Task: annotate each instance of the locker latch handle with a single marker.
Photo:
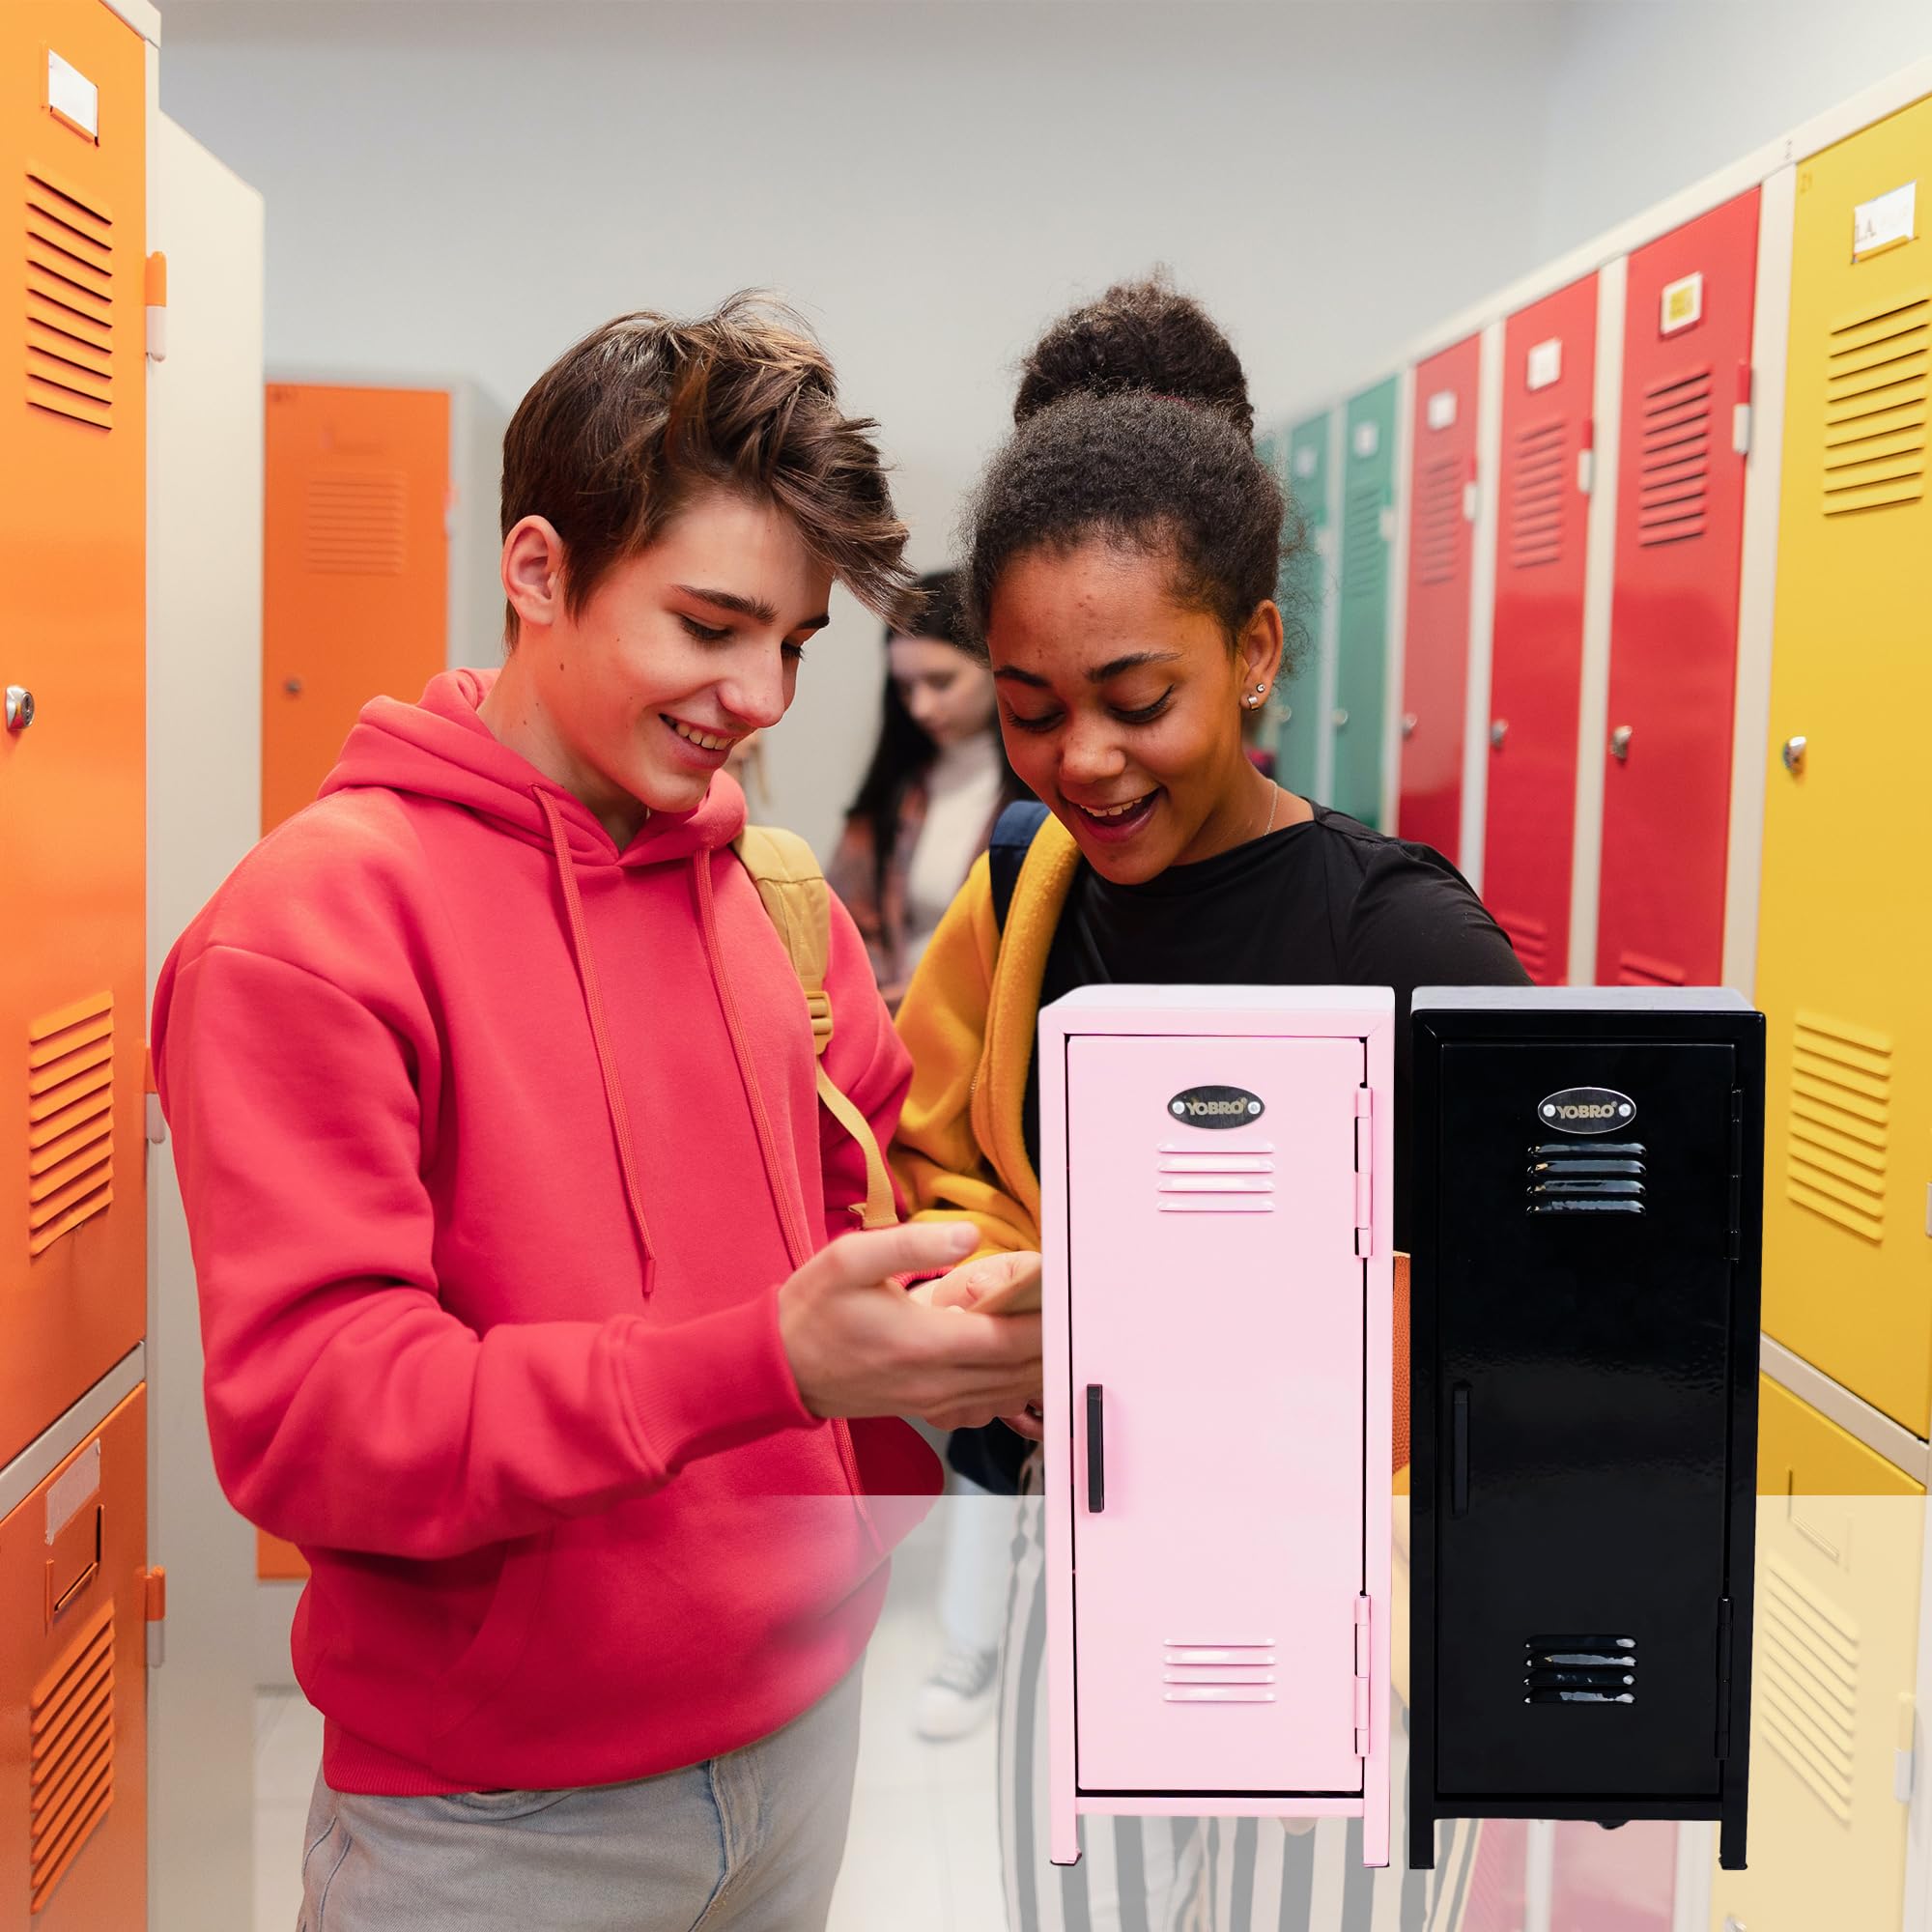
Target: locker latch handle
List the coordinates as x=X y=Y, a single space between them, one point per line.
x=1458 y=1452
x=1096 y=1451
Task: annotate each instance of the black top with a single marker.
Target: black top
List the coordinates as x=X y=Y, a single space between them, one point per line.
x=1326 y=902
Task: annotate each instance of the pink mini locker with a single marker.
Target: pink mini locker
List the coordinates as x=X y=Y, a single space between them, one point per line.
x=1215 y=1165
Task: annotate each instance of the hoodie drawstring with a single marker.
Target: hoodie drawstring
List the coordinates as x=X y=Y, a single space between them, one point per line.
x=593 y=1000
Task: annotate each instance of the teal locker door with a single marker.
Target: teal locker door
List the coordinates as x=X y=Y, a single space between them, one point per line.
x=1368 y=494
x=1305 y=591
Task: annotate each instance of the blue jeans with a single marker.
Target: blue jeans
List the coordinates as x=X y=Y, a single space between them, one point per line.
x=748 y=1843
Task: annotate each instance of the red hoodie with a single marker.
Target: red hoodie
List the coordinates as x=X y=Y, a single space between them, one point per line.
x=495 y=1141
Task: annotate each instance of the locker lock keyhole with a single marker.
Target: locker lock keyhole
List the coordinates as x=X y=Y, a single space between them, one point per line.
x=1794 y=757
x=1499 y=730
x=19 y=707
x=1620 y=743
x=292 y=686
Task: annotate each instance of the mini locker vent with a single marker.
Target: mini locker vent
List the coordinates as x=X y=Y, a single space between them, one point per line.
x=71 y=1731
x=1441 y=558
x=1537 y=667
x=1587 y=1174
x=1220 y=1337
x=70 y=305
x=1837 y=1130
x=1809 y=1684
x=1666 y=754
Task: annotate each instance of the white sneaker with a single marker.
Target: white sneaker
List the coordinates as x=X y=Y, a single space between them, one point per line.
x=957 y=1699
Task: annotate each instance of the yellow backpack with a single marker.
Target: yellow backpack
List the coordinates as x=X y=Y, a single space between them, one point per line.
x=799 y=903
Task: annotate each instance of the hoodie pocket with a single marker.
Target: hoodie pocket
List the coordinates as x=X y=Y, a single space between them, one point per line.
x=500 y=1638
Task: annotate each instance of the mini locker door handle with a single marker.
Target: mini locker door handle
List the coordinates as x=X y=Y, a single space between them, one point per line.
x=1096 y=1451
x=1458 y=1452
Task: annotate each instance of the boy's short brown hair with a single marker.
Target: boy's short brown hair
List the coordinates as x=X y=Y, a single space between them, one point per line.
x=618 y=433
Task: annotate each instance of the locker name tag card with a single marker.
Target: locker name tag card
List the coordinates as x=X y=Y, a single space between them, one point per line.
x=1884 y=221
x=1545 y=363
x=1682 y=306
x=1368 y=440
x=1442 y=410
x=72 y=97
x=1587 y=1110
x=1216 y=1107
x=1304 y=461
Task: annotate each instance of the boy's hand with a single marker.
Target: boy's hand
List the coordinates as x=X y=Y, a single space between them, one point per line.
x=972 y=1282
x=858 y=1344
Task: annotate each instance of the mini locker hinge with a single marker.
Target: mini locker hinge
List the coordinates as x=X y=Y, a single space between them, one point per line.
x=1740 y=412
x=154 y=1127
x=155 y=282
x=155 y=1610
x=1364 y=1155
x=1724 y=1677
x=1472 y=499
x=1587 y=458
x=1734 y=1243
x=1363 y=1608
x=1905 y=1759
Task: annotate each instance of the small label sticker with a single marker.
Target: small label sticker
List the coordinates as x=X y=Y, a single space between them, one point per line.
x=1885 y=222
x=1368 y=440
x=1442 y=410
x=1682 y=306
x=1545 y=363
x=72 y=96
x=73 y=1488
x=1304 y=461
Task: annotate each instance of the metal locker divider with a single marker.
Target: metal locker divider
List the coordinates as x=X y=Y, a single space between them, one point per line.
x=1442 y=501
x=1674 y=623
x=75 y=1600
x=1303 y=739
x=1843 y=935
x=1361 y=649
x=1536 y=674
x=1839 y=1551
x=356 y=570
x=72 y=752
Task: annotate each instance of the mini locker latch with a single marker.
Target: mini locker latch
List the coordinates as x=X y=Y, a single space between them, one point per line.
x=1096 y=1450
x=1365 y=1154
x=1458 y=1452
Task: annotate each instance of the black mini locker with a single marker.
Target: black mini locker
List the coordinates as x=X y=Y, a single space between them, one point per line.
x=1588 y=1202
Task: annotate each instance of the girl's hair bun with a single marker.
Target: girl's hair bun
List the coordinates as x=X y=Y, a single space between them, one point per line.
x=1139 y=336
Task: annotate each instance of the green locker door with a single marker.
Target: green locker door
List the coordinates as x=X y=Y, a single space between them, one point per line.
x=1306 y=587
x=1368 y=494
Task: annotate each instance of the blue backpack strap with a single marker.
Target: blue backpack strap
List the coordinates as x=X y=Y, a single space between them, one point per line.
x=1005 y=852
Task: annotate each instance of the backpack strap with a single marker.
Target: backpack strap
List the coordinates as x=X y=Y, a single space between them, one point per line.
x=799 y=903
x=1014 y=833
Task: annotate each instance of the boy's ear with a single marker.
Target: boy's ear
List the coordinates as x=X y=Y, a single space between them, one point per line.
x=532 y=571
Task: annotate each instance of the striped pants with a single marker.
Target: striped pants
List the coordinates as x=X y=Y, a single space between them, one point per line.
x=1188 y=1874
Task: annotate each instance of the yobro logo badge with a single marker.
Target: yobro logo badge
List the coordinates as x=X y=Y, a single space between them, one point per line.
x=1215 y=1107
x=1587 y=1110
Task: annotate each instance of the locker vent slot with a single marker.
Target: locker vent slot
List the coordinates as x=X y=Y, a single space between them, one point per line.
x=1809 y=1679
x=1582 y=1177
x=1641 y=969
x=1579 y=1671
x=1674 y=464
x=1217 y=1673
x=1530 y=937
x=70 y=1119
x=1539 y=496
x=70 y=1723
x=354 y=524
x=1875 y=392
x=1237 y=1181
x=69 y=305
x=1439 y=520
x=1362 y=541
x=1839 y=1123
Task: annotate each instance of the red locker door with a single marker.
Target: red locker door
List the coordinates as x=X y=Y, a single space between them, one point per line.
x=1436 y=658
x=1675 y=611
x=1550 y=357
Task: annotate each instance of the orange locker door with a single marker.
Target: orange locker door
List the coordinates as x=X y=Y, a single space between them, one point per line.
x=73 y=753
x=1435 y=657
x=1674 y=609
x=355 y=579
x=1536 y=683
x=73 y=1728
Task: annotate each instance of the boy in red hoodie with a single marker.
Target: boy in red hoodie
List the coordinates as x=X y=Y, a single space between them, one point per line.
x=512 y=1204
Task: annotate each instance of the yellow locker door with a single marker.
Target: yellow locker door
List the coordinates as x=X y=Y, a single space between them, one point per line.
x=1839 y=1536
x=1845 y=935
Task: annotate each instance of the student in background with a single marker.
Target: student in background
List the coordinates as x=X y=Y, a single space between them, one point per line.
x=938 y=778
